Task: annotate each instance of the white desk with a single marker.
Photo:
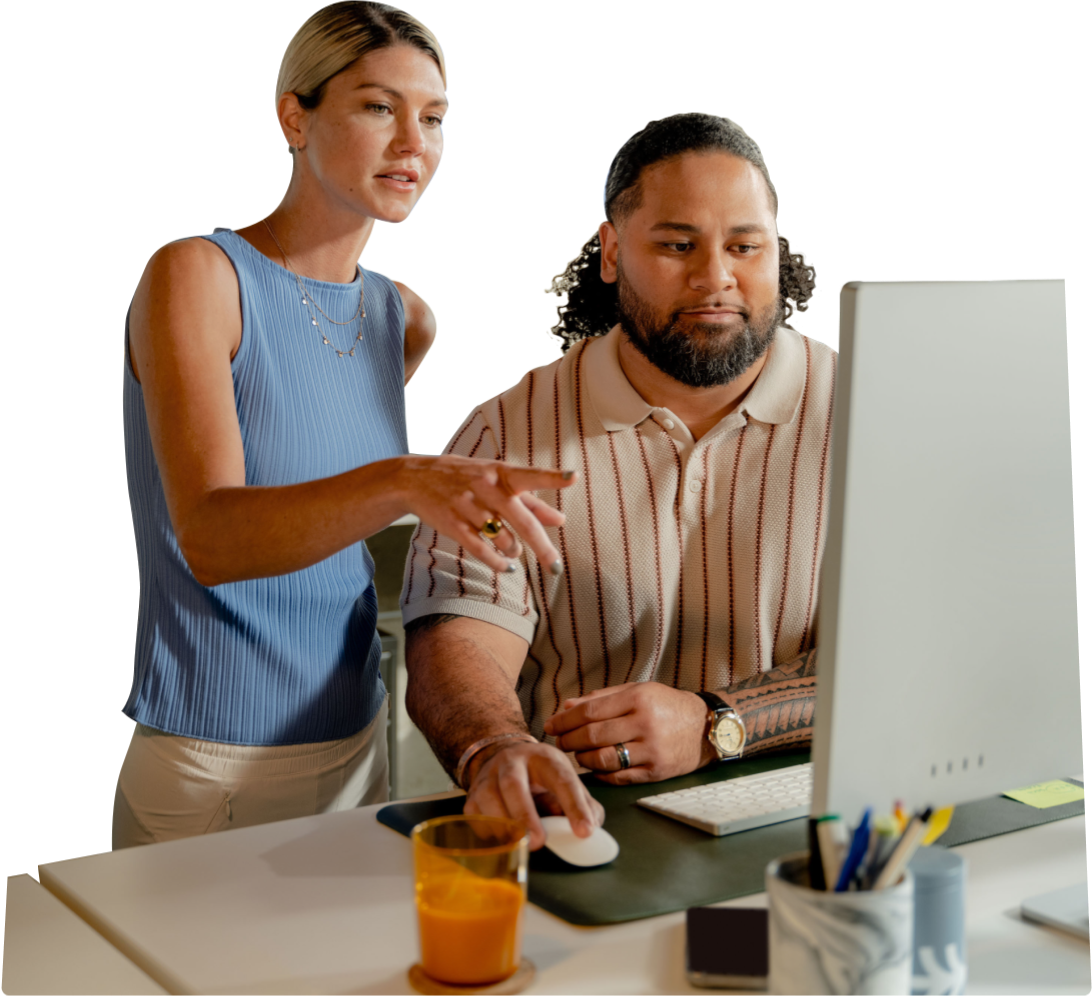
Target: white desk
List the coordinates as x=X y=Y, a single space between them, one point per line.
x=48 y=949
x=324 y=904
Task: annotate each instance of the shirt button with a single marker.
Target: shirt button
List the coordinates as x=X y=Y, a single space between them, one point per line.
x=668 y=424
x=695 y=486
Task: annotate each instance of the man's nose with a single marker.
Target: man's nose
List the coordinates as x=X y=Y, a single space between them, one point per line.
x=712 y=272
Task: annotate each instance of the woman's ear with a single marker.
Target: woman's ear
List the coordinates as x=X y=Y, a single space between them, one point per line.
x=293 y=118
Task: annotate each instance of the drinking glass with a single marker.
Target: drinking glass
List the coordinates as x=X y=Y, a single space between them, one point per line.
x=470 y=876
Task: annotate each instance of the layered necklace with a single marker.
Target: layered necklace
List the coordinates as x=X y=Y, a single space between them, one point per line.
x=311 y=304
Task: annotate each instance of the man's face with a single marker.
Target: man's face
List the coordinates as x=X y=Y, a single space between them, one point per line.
x=697 y=268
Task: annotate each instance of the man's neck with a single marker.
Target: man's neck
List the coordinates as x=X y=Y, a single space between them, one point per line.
x=700 y=408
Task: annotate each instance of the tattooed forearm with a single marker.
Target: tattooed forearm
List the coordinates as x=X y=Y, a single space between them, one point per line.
x=777 y=706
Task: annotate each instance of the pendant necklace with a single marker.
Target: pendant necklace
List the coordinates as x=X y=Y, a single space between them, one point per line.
x=307 y=300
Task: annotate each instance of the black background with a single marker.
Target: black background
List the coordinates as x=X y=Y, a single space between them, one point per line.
x=903 y=153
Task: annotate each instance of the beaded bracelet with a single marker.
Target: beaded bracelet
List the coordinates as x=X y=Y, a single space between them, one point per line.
x=480 y=745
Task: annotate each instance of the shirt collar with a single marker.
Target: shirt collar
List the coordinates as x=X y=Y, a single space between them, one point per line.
x=774 y=397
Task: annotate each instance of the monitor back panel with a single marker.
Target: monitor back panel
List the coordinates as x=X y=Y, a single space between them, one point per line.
x=948 y=618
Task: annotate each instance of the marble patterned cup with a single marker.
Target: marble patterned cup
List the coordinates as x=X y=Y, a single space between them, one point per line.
x=837 y=942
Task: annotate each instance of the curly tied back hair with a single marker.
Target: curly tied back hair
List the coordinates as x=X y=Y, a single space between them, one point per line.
x=591 y=308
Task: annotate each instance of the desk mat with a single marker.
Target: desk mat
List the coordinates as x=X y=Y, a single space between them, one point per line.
x=997 y=814
x=665 y=866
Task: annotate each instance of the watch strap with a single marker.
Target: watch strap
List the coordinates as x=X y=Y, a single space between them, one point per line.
x=714 y=701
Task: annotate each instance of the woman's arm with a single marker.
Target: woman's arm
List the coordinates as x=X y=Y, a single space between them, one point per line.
x=185 y=326
x=420 y=328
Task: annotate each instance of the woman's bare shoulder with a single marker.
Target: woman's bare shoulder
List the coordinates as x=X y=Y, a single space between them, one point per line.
x=191 y=261
x=188 y=293
x=418 y=313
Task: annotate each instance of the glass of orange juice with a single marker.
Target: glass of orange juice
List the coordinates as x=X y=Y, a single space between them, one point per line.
x=470 y=875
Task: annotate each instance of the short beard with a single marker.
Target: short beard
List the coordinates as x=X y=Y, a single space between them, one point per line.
x=703 y=354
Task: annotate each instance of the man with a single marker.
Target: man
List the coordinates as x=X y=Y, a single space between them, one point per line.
x=689 y=556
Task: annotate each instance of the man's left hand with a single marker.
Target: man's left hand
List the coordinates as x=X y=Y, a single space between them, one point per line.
x=661 y=727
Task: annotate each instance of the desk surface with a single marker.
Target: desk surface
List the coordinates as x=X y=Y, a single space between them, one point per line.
x=48 y=949
x=324 y=904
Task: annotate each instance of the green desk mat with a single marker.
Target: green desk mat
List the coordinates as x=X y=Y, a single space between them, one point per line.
x=664 y=865
x=997 y=814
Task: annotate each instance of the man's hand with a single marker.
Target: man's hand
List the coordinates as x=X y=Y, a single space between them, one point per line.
x=521 y=778
x=661 y=726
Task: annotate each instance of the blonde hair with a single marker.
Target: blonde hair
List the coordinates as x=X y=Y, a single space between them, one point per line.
x=333 y=39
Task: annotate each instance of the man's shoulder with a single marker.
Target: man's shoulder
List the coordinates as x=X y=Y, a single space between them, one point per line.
x=506 y=415
x=819 y=350
x=822 y=364
x=527 y=388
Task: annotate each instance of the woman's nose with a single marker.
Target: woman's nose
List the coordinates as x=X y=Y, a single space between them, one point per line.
x=410 y=137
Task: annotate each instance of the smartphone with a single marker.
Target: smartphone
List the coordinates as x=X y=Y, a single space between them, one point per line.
x=726 y=947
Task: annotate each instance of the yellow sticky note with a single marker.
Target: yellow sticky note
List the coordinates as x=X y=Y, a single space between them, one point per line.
x=937 y=824
x=1047 y=794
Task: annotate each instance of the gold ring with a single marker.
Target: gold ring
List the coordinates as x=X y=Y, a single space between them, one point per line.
x=491 y=528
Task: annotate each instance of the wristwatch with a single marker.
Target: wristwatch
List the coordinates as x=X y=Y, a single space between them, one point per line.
x=723 y=727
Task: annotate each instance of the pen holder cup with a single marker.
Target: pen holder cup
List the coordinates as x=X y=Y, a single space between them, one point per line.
x=837 y=942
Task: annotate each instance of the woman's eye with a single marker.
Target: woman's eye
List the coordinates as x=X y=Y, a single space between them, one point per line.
x=378 y=108
x=745 y=250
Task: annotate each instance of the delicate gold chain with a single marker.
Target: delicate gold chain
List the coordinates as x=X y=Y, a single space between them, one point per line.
x=307 y=300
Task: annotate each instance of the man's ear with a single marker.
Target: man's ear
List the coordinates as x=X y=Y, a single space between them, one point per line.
x=608 y=258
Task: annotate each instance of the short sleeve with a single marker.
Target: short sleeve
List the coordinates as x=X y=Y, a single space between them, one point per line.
x=442 y=578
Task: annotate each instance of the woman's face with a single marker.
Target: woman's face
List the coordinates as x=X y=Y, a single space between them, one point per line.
x=374 y=142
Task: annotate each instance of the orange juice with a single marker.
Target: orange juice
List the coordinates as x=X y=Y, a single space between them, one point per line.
x=470 y=928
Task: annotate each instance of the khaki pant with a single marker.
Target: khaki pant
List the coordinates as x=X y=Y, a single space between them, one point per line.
x=172 y=786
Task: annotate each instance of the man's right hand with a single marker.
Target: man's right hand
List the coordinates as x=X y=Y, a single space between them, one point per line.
x=519 y=779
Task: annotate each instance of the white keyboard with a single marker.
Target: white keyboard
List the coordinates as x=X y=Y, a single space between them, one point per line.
x=739 y=803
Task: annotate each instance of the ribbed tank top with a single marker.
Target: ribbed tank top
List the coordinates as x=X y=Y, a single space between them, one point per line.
x=294 y=658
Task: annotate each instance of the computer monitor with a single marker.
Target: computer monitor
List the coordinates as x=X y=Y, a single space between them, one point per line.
x=947 y=629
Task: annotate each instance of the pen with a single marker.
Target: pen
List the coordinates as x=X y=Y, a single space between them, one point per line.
x=904 y=851
x=901 y=816
x=817 y=875
x=816 y=879
x=885 y=830
x=832 y=835
x=856 y=853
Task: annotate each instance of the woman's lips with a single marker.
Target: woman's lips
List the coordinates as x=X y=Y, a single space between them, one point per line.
x=405 y=186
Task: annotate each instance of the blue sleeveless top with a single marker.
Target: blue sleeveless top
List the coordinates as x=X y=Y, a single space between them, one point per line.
x=294 y=658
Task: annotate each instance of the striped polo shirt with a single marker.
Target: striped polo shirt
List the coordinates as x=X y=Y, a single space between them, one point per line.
x=691 y=563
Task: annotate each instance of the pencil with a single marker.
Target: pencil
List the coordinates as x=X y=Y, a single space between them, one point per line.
x=904 y=851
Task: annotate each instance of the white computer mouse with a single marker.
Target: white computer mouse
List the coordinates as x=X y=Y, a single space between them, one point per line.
x=587 y=852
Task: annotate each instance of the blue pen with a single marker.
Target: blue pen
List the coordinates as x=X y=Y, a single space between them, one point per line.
x=857 y=848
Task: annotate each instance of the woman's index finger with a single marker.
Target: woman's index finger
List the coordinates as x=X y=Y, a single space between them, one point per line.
x=519 y=479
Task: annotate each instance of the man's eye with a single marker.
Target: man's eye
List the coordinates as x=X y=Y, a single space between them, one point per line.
x=745 y=249
x=677 y=246
x=434 y=121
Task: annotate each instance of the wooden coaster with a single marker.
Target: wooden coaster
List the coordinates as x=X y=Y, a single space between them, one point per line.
x=515 y=983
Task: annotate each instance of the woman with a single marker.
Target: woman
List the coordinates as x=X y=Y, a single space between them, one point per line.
x=265 y=438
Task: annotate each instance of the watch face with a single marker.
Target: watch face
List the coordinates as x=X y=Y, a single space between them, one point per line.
x=728 y=735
